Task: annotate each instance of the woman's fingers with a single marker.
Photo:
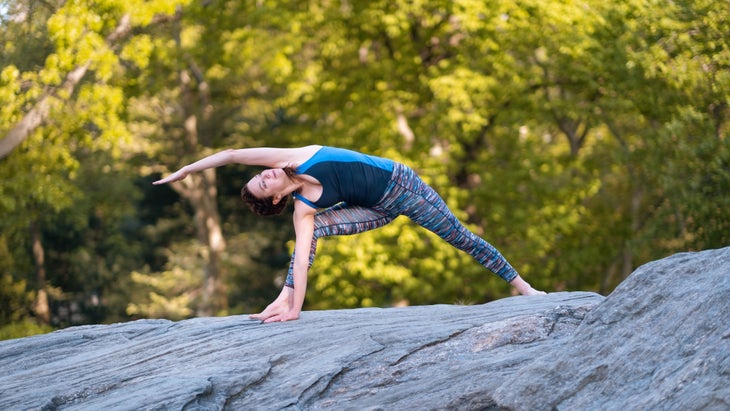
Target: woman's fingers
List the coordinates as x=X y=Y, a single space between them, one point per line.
x=164 y=180
x=176 y=176
x=274 y=312
x=262 y=316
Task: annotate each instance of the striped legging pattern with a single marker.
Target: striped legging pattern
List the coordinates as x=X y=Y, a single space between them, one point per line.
x=407 y=195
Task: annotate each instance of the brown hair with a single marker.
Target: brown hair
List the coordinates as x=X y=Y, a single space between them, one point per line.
x=266 y=206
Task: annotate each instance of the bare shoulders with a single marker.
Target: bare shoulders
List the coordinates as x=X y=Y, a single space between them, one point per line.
x=302 y=211
x=302 y=154
x=272 y=157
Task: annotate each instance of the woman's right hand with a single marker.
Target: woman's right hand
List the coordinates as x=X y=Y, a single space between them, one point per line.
x=176 y=176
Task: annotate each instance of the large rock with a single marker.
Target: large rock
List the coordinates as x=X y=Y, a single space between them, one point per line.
x=661 y=340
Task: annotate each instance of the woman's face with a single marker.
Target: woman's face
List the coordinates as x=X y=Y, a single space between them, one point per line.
x=268 y=183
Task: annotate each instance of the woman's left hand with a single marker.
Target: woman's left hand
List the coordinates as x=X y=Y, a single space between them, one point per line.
x=285 y=316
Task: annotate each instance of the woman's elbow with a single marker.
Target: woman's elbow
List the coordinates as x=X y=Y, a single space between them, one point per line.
x=233 y=155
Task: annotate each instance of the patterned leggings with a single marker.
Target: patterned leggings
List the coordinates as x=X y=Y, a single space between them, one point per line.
x=407 y=195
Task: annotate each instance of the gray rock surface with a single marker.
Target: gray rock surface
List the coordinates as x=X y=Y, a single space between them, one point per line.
x=661 y=340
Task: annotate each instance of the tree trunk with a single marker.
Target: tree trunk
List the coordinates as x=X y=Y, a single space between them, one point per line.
x=200 y=191
x=41 y=307
x=637 y=196
x=203 y=198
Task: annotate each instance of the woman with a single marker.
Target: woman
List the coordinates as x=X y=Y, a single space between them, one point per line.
x=341 y=192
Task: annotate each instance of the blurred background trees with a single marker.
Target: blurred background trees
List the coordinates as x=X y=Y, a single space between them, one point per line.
x=581 y=138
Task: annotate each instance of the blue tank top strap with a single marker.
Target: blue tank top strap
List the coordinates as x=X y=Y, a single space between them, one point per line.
x=304 y=200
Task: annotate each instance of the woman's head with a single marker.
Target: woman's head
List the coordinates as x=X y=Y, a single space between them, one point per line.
x=263 y=192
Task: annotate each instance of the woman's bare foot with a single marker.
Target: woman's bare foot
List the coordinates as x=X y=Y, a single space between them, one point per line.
x=533 y=291
x=524 y=288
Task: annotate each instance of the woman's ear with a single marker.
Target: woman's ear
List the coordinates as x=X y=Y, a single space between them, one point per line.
x=275 y=200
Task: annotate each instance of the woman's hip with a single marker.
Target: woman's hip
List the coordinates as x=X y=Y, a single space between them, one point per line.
x=403 y=188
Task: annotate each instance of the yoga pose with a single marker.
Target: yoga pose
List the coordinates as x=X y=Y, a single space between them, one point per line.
x=342 y=192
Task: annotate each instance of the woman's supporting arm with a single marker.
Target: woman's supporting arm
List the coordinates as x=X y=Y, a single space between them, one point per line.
x=304 y=229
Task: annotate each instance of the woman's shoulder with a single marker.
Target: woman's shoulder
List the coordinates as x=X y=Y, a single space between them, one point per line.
x=303 y=154
x=311 y=148
x=288 y=157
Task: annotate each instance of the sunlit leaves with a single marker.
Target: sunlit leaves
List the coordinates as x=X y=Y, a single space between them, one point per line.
x=9 y=90
x=464 y=93
x=166 y=295
x=581 y=138
x=45 y=177
x=138 y=51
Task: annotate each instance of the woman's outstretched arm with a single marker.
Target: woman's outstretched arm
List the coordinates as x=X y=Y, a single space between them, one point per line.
x=259 y=156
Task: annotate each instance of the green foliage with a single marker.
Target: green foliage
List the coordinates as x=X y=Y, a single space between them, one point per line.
x=15 y=299
x=65 y=176
x=168 y=294
x=24 y=328
x=580 y=138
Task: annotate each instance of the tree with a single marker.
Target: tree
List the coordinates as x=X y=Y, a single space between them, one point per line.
x=56 y=111
x=580 y=138
x=202 y=113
